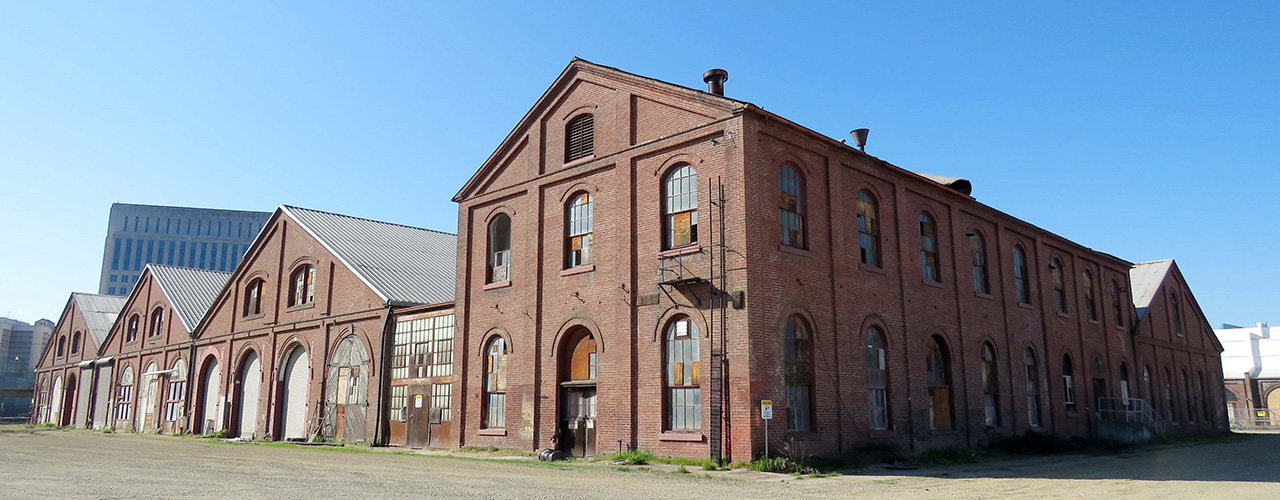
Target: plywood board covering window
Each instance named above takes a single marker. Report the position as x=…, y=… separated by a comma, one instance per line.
x=680, y=208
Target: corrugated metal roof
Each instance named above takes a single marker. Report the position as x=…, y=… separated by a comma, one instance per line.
x=403, y=264
x=1146, y=278
x=191, y=291
x=99, y=312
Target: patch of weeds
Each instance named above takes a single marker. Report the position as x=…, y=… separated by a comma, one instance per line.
x=108, y=430
x=682, y=470
x=634, y=457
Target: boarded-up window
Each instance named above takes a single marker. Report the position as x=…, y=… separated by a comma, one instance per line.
x=582, y=363
x=304, y=286
x=868, y=229
x=580, y=138
x=990, y=386
x=348, y=385
x=791, y=206
x=580, y=224
x=929, y=248
x=495, y=383
x=499, y=248
x=877, y=380
x=798, y=351
x=684, y=392
x=680, y=209
x=938, y=378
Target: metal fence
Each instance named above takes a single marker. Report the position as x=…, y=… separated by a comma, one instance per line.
x=1257, y=419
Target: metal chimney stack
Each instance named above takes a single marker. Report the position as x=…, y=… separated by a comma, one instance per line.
x=715, y=79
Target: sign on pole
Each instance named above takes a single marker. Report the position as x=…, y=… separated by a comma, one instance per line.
x=766, y=409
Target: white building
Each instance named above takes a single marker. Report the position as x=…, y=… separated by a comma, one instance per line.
x=1251, y=372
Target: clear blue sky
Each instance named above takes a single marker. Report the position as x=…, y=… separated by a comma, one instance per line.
x=1146, y=130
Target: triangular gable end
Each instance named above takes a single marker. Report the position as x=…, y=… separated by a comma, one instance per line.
x=1190, y=298
x=657, y=94
x=46, y=358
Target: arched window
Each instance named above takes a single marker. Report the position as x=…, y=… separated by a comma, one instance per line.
x=868, y=229
x=1168, y=395
x=176, y=392
x=131, y=330
x=1177, y=312
x=978, y=250
x=1147, y=391
x=791, y=206
x=877, y=380
x=1124, y=384
x=75, y=343
x=579, y=137
x=499, y=249
x=1117, y=305
x=62, y=346
x=124, y=395
x=683, y=380
x=1090, y=300
x=253, y=298
x=798, y=349
x=937, y=376
x=1068, y=383
x=1186, y=397
x=990, y=386
x=680, y=209
x=1204, y=397
x=1059, y=286
x=157, y=322
x=495, y=383
x=1033, y=389
x=303, y=290
x=1020, y=276
x=929, y=248
x=580, y=224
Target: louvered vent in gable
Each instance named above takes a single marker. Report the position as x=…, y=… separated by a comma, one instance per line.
x=580, y=138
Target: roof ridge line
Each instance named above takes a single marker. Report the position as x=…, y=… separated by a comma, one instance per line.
x=369, y=220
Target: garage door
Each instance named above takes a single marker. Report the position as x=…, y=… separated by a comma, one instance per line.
x=297, y=374
x=250, y=382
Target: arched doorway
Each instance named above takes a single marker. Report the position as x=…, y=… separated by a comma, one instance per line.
x=55, y=402
x=1273, y=407
x=347, y=391
x=68, y=397
x=248, y=384
x=208, y=419
x=1232, y=407
x=149, y=382
x=577, y=377
x=294, y=382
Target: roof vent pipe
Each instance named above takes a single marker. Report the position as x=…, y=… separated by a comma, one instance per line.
x=860, y=138
x=715, y=79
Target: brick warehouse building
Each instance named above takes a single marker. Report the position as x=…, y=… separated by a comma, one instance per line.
x=868, y=302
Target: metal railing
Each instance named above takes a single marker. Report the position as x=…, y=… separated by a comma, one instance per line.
x=1258, y=418
x=1132, y=410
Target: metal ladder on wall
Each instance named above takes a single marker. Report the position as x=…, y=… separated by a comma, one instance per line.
x=718, y=324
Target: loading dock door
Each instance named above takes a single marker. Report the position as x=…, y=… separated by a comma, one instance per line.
x=419, y=416
x=295, y=382
x=250, y=381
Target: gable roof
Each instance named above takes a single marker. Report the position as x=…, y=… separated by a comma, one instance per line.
x=1145, y=278
x=404, y=265
x=98, y=311
x=190, y=291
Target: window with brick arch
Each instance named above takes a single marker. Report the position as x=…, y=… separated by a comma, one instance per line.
x=131, y=329
x=580, y=137
x=680, y=207
x=1124, y=384
x=798, y=357
x=1059, y=286
x=499, y=261
x=495, y=383
x=62, y=346
x=1033, y=389
x=75, y=343
x=877, y=380
x=868, y=229
x=1020, y=276
x=1068, y=383
x=1186, y=398
x=303, y=290
x=1090, y=299
x=990, y=386
x=1177, y=312
x=253, y=298
x=937, y=374
x=683, y=376
x=1147, y=391
x=1204, y=397
x=791, y=206
x=124, y=395
x=978, y=251
x=1117, y=305
x=579, y=227
x=176, y=392
x=929, y=249
x=1168, y=395
x=157, y=322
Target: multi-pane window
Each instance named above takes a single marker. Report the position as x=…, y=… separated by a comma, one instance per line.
x=579, y=138
x=303, y=290
x=877, y=381
x=157, y=322
x=399, y=403
x=937, y=374
x=1090, y=299
x=868, y=229
x=176, y=392
x=1059, y=286
x=1021, y=286
x=75, y=343
x=1177, y=313
x=683, y=380
x=929, y=248
x=581, y=225
x=1068, y=383
x=495, y=383
x=423, y=347
x=124, y=394
x=253, y=298
x=131, y=330
x=499, y=264
x=1186, y=397
x=680, y=207
x=799, y=374
x=990, y=386
x=791, y=206
x=441, y=398
x=978, y=249
x=1116, y=305
x=1033, y=389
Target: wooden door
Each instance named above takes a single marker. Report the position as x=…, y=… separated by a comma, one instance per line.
x=419, y=416
x=578, y=421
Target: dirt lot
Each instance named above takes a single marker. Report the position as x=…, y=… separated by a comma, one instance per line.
x=85, y=464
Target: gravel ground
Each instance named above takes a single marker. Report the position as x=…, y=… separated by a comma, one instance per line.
x=63, y=464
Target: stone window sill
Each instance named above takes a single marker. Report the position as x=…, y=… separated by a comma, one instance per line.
x=496, y=285
x=794, y=250
x=932, y=283
x=492, y=432
x=1094, y=322
x=676, y=252
x=1063, y=315
x=1025, y=305
x=252, y=317
x=874, y=269
x=578, y=270
x=983, y=295
x=300, y=307
x=684, y=437
x=580, y=161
